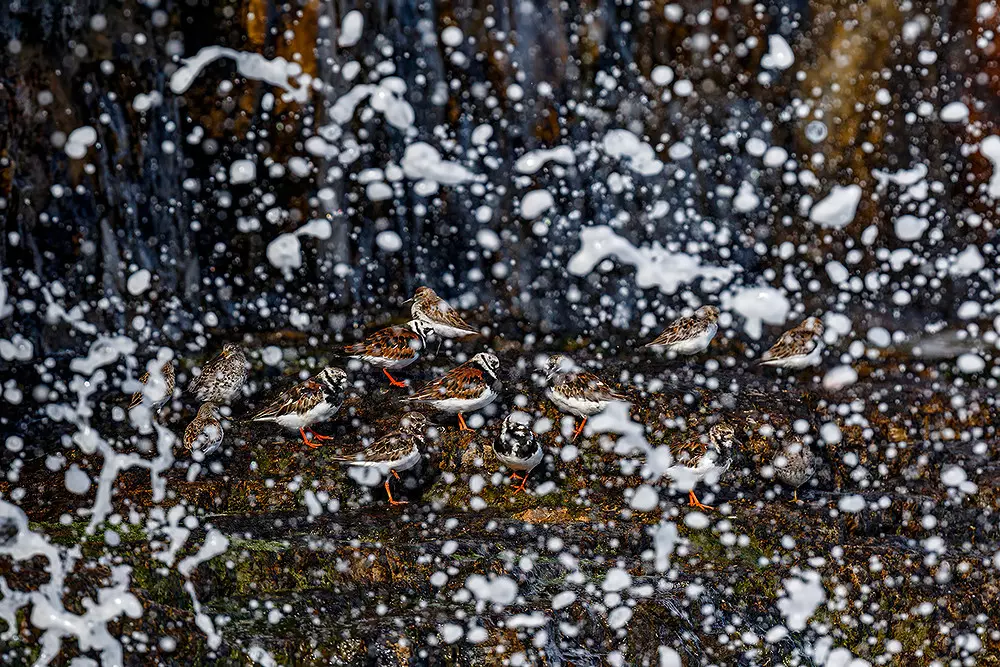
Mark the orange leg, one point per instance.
(694, 502)
(393, 381)
(315, 436)
(524, 480)
(389, 491)
(461, 423)
(579, 429)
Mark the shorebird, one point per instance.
(576, 391)
(695, 460)
(204, 434)
(311, 402)
(437, 314)
(518, 449)
(689, 335)
(156, 389)
(795, 464)
(394, 452)
(797, 348)
(466, 388)
(221, 378)
(392, 348)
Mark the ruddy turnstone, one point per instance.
(695, 460)
(795, 464)
(204, 434)
(392, 347)
(576, 391)
(156, 389)
(518, 449)
(221, 378)
(307, 403)
(798, 347)
(689, 335)
(437, 314)
(465, 388)
(394, 452)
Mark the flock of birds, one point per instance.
(468, 388)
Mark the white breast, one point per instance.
(522, 464)
(577, 406)
(695, 345)
(456, 405)
(295, 421)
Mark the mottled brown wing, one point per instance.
(391, 447)
(588, 387)
(439, 310)
(299, 399)
(137, 396)
(676, 331)
(792, 343)
(395, 343)
(465, 381)
(688, 452)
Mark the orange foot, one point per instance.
(697, 504)
(315, 436)
(393, 381)
(389, 492)
(579, 429)
(461, 423)
(520, 487)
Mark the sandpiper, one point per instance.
(204, 434)
(221, 378)
(394, 452)
(437, 314)
(689, 335)
(576, 391)
(518, 449)
(307, 403)
(797, 348)
(795, 464)
(694, 461)
(466, 388)
(392, 348)
(156, 389)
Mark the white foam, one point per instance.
(655, 265)
(532, 161)
(421, 161)
(779, 54)
(535, 203)
(956, 112)
(990, 149)
(757, 305)
(838, 208)
(640, 156)
(351, 28)
(242, 171)
(79, 140)
(138, 282)
(910, 228)
(276, 72)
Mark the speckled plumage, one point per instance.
(795, 464)
(465, 388)
(311, 402)
(689, 335)
(204, 434)
(392, 347)
(394, 452)
(221, 378)
(437, 314)
(518, 449)
(798, 347)
(158, 392)
(694, 460)
(576, 391)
